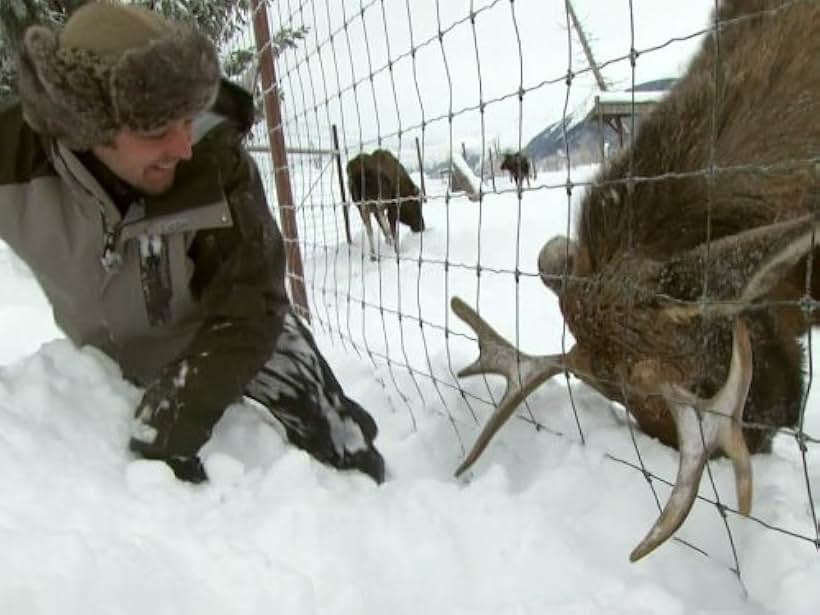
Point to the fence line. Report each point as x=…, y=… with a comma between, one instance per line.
x=370, y=70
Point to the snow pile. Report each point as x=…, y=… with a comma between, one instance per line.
x=541, y=524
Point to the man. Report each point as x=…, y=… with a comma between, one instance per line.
x=124, y=186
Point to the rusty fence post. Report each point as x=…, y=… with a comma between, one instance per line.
x=281, y=174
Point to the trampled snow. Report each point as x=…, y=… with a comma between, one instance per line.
x=541, y=524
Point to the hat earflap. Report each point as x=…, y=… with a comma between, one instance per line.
x=61, y=91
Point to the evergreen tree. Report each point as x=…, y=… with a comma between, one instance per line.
x=221, y=20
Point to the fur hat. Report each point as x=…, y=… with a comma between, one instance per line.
x=113, y=66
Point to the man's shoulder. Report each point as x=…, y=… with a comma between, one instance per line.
x=236, y=105
x=222, y=147
x=22, y=155
x=220, y=160
x=215, y=166
x=229, y=119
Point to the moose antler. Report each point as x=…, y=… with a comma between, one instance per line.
x=523, y=372
x=704, y=426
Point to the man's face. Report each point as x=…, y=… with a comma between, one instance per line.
x=147, y=160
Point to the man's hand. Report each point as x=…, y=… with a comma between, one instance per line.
x=158, y=433
x=189, y=469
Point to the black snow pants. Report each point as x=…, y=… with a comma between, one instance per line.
x=299, y=388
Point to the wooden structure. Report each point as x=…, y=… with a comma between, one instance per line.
x=615, y=109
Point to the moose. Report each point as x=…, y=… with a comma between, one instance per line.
x=518, y=166
x=379, y=183
x=694, y=265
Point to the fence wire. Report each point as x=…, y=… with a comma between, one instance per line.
x=432, y=81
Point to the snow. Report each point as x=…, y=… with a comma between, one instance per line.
x=628, y=97
x=467, y=173
x=543, y=523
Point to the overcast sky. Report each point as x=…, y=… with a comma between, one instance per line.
x=513, y=44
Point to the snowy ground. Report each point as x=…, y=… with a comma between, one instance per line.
x=543, y=523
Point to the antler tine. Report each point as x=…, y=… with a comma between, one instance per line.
x=700, y=434
x=524, y=373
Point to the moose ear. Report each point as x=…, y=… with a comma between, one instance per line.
x=555, y=261
x=749, y=264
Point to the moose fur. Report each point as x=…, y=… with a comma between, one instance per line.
x=518, y=166
x=380, y=184
x=766, y=105
x=694, y=265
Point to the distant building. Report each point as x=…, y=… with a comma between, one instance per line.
x=616, y=110
x=587, y=138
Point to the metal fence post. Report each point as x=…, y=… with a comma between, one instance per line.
x=421, y=168
x=338, y=156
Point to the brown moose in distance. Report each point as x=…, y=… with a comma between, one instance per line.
x=694, y=264
x=518, y=166
x=379, y=184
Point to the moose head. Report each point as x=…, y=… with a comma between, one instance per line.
x=693, y=268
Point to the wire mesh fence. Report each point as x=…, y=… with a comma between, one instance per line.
x=452, y=89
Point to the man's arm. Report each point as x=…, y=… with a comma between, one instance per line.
x=239, y=280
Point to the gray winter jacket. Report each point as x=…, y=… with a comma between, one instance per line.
x=186, y=293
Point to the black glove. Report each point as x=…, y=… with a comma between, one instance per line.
x=163, y=433
x=189, y=469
